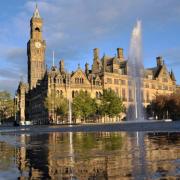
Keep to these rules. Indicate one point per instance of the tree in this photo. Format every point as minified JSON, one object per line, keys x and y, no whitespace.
{"x":83,"y":105}
{"x":56,"y":103}
{"x":111,"y":104}
{"x":6,"y":105}
{"x":165,"y":106}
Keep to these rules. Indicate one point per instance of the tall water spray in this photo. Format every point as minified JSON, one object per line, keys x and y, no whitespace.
{"x":135,"y":72}
{"x":69,"y":101}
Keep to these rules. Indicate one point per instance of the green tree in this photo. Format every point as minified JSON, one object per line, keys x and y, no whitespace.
{"x":6,"y":105}
{"x":57,"y":104}
{"x":111,"y":104}
{"x":83,"y":105}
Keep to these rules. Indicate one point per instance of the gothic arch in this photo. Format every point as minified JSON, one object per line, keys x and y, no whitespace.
{"x":37,"y":29}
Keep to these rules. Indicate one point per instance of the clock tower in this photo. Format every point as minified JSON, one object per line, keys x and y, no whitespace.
{"x":36,"y":50}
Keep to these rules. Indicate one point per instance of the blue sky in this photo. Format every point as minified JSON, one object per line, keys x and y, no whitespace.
{"x":73,"y":28}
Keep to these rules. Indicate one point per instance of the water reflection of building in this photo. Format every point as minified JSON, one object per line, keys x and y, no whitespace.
{"x":88,"y":166}
{"x":32,"y":157}
{"x":47,"y":156}
{"x":164,"y":154}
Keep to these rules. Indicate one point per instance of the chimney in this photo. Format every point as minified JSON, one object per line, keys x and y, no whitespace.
{"x":159,"y":61}
{"x":61,"y":66}
{"x":87,"y":68}
{"x":96,"y":53}
{"x":120,"y":53}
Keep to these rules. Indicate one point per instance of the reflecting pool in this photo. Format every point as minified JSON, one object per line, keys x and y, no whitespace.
{"x":90,"y":156}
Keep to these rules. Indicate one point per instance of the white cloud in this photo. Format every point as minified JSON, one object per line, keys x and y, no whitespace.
{"x":71,"y":27}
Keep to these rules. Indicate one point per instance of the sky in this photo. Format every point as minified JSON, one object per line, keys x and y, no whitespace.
{"x":73,"y":28}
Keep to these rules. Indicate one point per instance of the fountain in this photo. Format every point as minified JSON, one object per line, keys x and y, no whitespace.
{"x":69,"y":101}
{"x":135,"y":73}
{"x":70,"y":111}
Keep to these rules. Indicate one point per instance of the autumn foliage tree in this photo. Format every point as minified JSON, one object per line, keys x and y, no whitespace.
{"x":165,"y":106}
{"x":6,"y":105}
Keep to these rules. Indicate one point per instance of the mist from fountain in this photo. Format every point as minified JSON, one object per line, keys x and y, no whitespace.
{"x":135,"y":73}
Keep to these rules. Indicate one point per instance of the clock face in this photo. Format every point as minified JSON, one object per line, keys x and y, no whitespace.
{"x":38,"y":44}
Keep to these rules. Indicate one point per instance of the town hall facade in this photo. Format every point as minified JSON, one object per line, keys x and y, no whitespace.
{"x":106,"y":72}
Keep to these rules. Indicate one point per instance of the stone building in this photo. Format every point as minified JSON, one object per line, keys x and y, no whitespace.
{"x":106,"y":72}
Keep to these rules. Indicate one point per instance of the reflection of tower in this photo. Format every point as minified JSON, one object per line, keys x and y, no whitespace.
{"x":36,"y":50}
{"x":21,"y":160}
{"x":37,"y":157}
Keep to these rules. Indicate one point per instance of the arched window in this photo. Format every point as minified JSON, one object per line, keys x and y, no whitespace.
{"x":72,"y":94}
{"x":37,"y":29}
{"x":124,"y":94}
{"x":76,"y":80}
{"x":58,"y":93}
{"x":96,"y":94}
{"x":61,"y":92}
{"x":147,"y":97}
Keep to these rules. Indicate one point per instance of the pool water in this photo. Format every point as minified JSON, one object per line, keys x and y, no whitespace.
{"x":90,"y":156}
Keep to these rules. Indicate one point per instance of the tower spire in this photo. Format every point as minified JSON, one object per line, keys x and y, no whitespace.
{"x":36,"y":12}
{"x":53,"y":58}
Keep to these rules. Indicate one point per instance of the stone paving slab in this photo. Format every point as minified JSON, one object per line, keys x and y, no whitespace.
{"x":110,"y":127}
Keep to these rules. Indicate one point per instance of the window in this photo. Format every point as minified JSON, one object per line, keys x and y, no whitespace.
{"x":117,"y":91}
{"x":58,"y":93}
{"x":129,"y":83}
{"x":97,"y":95}
{"x":142,"y":96}
{"x":130,"y":95}
{"x":153,"y":86}
{"x":73,"y":94}
{"x":165,"y":87}
{"x":97,"y":83}
{"x":147,"y":97}
{"x":159,"y":87}
{"x":116,"y":81}
{"x":150,"y":77}
{"x":146,"y":85}
{"x":123,"y":82}
{"x":124,"y":94}
{"x":37,"y":29}
{"x":61,"y":92}
{"x":79,"y":80}
{"x":76,"y":80}
{"x":164,"y":80}
{"x":109,"y":80}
